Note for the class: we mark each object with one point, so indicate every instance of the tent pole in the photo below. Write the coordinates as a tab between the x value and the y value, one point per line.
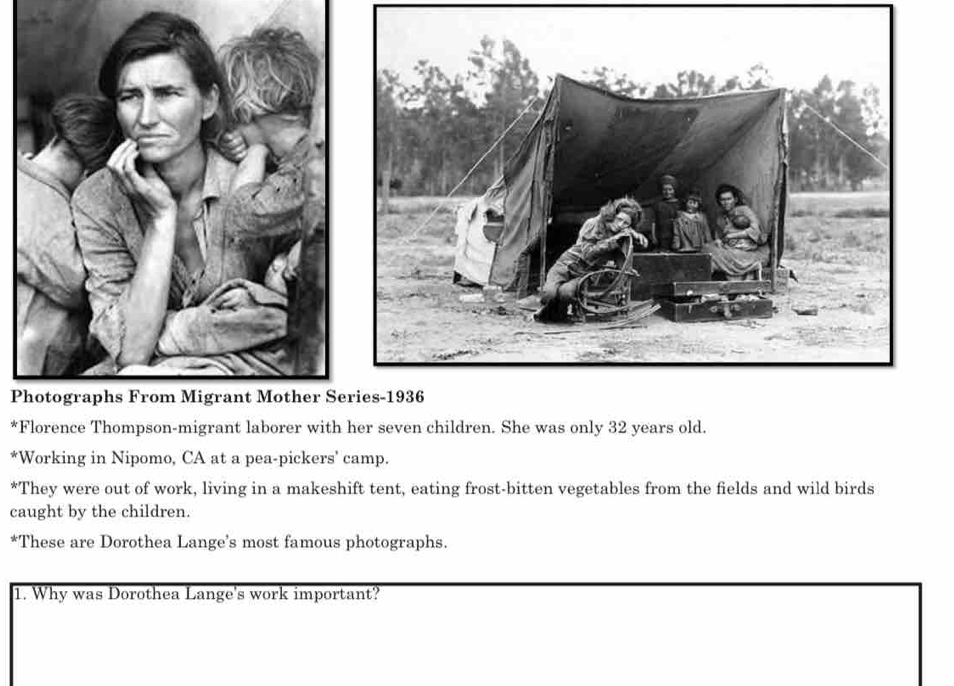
541	279
779	225
550	143
780	196
773	262
773	254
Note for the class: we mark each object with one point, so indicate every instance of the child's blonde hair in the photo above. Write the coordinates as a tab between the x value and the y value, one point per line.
270	71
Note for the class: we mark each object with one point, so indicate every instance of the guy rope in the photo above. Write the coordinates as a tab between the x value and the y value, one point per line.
493	145
852	140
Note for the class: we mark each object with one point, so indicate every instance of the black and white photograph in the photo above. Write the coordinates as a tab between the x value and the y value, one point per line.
633	185
170	188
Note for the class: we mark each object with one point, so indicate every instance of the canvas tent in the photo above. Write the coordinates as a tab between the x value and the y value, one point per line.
589	146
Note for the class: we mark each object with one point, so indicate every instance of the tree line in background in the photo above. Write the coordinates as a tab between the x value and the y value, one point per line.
430	132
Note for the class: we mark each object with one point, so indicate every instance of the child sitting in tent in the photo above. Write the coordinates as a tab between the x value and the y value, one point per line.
690	230
272	75
598	242
664	213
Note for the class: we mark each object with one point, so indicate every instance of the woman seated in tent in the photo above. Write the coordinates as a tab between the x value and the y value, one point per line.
741	246
664	214
597	243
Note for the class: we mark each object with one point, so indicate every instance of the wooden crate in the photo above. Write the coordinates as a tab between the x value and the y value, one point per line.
658	270
781	279
694	310
691	288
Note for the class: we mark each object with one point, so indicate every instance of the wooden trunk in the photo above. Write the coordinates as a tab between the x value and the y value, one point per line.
691	288
694	310
659	270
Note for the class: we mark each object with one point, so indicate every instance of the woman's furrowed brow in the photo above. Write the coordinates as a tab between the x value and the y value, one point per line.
165	84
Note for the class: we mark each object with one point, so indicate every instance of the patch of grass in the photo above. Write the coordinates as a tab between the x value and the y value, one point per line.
837	269
453	354
863	307
851	240
863	212
836	241
425	204
833	204
404	229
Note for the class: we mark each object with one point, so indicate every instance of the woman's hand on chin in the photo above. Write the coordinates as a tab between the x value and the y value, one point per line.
148	192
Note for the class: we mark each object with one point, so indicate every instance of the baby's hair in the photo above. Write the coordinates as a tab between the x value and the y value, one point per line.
270	71
87	124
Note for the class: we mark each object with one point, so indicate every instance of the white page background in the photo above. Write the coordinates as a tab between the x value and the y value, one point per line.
884	426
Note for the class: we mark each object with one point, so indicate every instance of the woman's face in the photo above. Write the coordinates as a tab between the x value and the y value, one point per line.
727	201
622	222
160	107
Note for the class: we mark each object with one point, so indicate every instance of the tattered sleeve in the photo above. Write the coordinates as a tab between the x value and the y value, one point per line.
710	232
600	251
48	257
594	243
110	268
271	208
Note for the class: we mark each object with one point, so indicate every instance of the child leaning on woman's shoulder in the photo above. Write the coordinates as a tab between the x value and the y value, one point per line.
272	74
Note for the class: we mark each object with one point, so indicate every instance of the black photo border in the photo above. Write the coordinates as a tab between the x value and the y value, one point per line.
615	364
327	275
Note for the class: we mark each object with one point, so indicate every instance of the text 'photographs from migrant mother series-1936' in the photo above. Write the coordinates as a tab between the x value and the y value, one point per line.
171	188
632	185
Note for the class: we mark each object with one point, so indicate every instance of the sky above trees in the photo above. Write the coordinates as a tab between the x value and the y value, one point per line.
432	127
796	45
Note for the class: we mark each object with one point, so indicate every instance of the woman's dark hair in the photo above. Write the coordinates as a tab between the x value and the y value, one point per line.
156	33
87	124
729	188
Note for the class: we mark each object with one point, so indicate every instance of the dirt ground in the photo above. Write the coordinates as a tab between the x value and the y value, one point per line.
837	244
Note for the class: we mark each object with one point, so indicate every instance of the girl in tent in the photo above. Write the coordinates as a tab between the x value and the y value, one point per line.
664	213
740	247
691	229
597	243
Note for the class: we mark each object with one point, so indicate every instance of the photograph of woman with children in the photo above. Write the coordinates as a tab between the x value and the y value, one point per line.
171	217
